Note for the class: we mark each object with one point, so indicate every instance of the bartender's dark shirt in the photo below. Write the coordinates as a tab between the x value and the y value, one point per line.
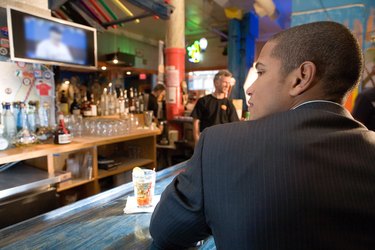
153	104
364	108
212	111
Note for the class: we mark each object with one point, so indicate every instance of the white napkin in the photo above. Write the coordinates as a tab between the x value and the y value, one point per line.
132	207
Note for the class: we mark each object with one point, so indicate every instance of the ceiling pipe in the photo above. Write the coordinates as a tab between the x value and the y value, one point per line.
113	15
127	19
99	10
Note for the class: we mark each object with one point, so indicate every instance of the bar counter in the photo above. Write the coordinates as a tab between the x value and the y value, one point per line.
97	222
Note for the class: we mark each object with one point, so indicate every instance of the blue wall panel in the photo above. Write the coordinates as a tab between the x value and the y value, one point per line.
355	14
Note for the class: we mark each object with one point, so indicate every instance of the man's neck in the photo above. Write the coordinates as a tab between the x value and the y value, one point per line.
218	95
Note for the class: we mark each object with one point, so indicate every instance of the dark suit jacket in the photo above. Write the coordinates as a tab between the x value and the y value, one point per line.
301	179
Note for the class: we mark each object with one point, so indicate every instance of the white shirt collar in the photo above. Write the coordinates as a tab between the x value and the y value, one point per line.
314	101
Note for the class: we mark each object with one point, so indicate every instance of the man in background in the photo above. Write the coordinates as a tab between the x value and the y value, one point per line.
53	48
156	96
299	175
364	108
215	108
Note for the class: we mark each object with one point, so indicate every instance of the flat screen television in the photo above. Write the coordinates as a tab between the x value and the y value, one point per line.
49	40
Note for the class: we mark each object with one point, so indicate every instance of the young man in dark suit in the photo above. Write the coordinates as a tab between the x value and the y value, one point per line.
300	175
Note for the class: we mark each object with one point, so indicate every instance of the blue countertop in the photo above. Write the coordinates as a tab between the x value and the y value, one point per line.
97	222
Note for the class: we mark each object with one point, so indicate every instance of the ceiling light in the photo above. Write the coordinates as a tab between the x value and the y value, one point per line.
137	21
128	73
115	59
104	68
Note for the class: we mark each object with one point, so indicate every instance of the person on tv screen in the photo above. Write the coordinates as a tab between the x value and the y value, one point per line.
53	48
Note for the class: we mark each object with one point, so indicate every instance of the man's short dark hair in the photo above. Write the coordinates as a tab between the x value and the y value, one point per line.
55	29
330	46
221	73
159	87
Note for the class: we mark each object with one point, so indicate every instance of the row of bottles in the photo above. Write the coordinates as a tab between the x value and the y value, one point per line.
24	124
29	124
111	102
85	108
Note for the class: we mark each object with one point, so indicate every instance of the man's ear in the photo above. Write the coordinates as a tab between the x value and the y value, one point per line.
303	78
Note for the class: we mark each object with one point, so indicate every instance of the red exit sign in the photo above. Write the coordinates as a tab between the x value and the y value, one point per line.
142	76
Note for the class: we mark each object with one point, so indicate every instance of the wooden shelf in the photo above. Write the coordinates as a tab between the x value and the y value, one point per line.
103	140
51	158
129	164
28	152
73	183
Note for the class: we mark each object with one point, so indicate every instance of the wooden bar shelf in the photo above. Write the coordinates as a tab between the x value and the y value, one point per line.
72	183
54	158
128	164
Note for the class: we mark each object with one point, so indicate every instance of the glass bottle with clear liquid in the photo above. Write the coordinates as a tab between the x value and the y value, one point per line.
131	102
141	103
21	116
121	102
104	102
4	143
126	102
31	115
136	100
111	100
43	132
25	136
10	129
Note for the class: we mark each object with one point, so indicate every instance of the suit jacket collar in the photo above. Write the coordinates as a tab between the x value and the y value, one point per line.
326	106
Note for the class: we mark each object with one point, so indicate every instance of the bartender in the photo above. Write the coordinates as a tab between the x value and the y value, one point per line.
156	97
215	108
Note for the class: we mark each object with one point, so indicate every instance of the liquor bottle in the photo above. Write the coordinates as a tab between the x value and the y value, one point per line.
21	116
111	101
104	102
62	134
126	102
75	108
85	107
141	103
121	103
117	103
4	143
64	106
16	109
43	132
44	115
25	136
10	128
31	116
37	117
131	102
137	104
94	109
99	108
2	113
